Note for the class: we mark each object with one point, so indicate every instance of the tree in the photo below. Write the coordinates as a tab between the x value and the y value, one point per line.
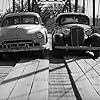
35	7
50	11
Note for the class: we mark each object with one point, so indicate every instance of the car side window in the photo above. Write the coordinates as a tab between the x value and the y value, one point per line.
11	21
7	21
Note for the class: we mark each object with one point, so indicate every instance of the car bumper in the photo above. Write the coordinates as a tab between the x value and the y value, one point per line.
24	49
77	48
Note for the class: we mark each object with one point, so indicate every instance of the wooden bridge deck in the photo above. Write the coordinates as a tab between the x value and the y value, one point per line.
27	80
71	78
85	77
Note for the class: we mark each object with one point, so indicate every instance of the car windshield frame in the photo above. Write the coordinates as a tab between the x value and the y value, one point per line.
72	19
22	19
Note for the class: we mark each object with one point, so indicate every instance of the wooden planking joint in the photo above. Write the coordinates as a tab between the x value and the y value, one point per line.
39	90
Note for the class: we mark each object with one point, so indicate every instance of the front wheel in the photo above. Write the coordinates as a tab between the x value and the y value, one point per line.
96	54
58	53
42	54
1	55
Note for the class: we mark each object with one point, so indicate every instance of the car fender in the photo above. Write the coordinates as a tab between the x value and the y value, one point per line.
58	39
95	39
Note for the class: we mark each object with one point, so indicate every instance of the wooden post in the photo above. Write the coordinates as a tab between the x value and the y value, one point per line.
83	10
22	5
13	6
76	5
93	12
29	5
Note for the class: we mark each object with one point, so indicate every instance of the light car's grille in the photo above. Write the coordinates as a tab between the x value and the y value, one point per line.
77	36
18	44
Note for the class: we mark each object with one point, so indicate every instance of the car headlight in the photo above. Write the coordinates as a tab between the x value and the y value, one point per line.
39	35
67	31
88	32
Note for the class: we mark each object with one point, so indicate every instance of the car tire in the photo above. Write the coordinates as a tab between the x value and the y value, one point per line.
42	54
96	43
96	54
1	55
58	53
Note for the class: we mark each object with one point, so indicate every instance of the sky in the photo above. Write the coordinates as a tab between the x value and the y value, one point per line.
4	4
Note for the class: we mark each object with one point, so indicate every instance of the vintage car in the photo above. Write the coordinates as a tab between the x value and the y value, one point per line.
21	32
73	32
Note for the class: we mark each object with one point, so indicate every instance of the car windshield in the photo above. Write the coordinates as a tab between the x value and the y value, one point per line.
72	19
29	20
25	19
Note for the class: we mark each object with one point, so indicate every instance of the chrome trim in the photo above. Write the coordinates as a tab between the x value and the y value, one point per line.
35	48
77	30
77	48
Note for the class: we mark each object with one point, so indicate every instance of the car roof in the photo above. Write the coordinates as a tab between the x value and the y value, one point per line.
21	13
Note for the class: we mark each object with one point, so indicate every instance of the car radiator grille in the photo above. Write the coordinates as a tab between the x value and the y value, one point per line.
77	36
18	44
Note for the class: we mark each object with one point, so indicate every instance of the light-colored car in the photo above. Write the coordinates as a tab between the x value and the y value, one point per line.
73	32
22	31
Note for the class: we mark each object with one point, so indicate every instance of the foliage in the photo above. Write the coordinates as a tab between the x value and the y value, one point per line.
46	10
79	9
51	10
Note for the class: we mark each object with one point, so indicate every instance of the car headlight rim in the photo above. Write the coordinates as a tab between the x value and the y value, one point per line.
88	32
67	31
39	35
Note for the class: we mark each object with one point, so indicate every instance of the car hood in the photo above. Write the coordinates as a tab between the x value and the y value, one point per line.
79	25
19	31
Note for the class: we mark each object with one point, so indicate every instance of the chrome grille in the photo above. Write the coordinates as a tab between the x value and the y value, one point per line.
17	44
77	36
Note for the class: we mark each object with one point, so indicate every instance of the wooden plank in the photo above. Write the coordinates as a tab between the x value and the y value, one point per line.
60	87
94	64
23	86
91	72
90	61
74	70
5	70
85	89
10	81
39	89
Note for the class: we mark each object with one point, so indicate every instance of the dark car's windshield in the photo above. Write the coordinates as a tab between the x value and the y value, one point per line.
25	19
72	19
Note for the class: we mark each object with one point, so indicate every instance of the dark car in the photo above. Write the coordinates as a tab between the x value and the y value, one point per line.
73	32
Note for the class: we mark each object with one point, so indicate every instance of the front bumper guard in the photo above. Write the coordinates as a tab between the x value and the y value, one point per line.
77	48
23	49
